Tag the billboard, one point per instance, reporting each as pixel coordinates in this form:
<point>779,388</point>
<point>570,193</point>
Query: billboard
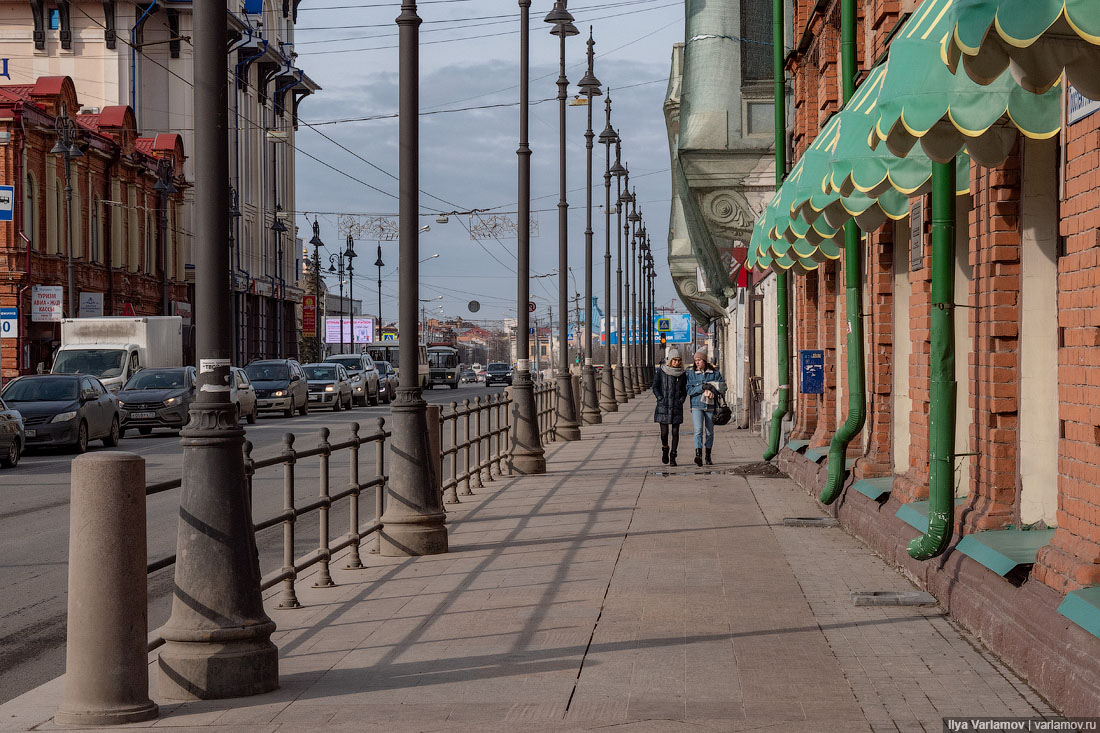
<point>359,332</point>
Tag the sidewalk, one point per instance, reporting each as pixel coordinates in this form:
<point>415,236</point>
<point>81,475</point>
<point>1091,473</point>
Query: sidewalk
<point>606,593</point>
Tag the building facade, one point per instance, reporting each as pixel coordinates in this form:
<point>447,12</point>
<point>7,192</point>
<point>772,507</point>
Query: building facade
<point>139,55</point>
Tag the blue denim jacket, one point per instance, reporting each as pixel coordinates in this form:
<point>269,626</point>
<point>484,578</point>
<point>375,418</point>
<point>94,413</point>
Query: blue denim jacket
<point>696,380</point>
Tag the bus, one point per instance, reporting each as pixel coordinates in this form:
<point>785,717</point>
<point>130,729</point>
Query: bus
<point>391,351</point>
<point>443,366</point>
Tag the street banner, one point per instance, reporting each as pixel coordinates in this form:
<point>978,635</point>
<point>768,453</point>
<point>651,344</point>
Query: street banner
<point>359,332</point>
<point>47,303</point>
<point>309,316</point>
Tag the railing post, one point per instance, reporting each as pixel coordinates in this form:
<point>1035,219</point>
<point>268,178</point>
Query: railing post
<point>435,439</point>
<point>477,438</point>
<point>380,489</point>
<point>452,487</point>
<point>508,428</point>
<point>354,561</point>
<point>324,579</point>
<point>288,599</point>
<point>467,450</point>
<point>501,451</point>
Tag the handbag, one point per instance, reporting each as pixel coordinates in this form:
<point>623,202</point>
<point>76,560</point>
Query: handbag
<point>722,412</point>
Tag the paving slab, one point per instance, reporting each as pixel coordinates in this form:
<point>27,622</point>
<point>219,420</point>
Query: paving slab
<point>603,594</point>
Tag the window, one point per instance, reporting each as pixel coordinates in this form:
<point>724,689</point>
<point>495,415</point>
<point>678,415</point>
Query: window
<point>756,47</point>
<point>77,219</point>
<point>759,118</point>
<point>133,230</point>
<point>55,19</point>
<point>150,244</point>
<point>95,253</point>
<point>30,212</point>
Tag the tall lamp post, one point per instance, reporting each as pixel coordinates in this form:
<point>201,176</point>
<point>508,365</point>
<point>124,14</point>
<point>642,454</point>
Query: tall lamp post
<point>590,87</point>
<point>652,310</point>
<point>316,242</point>
<point>567,427</point>
<point>643,308</point>
<point>349,255</point>
<point>336,266</point>
<point>632,295</point>
<point>217,639</point>
<point>626,200</point>
<point>619,171</point>
<point>608,400</point>
<point>165,188</point>
<point>413,522</point>
<point>67,135</point>
<point>278,228</point>
<point>527,455</point>
<point>379,264</point>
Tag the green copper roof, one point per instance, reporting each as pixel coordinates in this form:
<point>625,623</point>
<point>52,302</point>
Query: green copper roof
<point>922,100</point>
<point>1038,38</point>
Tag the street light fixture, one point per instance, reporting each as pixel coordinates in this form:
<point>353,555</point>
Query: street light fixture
<point>626,199</point>
<point>590,87</point>
<point>316,242</point>
<point>278,228</point>
<point>567,427</point>
<point>66,145</point>
<point>527,455</point>
<point>349,255</point>
<point>608,402</point>
<point>619,170</point>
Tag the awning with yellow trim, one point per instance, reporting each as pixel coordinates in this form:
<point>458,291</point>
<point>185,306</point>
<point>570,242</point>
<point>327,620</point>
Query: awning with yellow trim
<point>1035,39</point>
<point>921,100</point>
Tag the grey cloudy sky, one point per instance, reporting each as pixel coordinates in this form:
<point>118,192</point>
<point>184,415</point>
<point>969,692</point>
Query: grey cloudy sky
<point>468,158</point>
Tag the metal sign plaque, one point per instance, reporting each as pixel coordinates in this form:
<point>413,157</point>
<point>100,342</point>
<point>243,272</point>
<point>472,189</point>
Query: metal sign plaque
<point>916,234</point>
<point>812,362</point>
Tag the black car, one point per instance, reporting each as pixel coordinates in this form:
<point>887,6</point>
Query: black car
<point>64,410</point>
<point>280,385</point>
<point>387,381</point>
<point>157,398</point>
<point>11,436</point>
<point>498,372</point>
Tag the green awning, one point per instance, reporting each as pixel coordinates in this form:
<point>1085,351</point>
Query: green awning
<point>761,257</point>
<point>1036,39</point>
<point>921,100</point>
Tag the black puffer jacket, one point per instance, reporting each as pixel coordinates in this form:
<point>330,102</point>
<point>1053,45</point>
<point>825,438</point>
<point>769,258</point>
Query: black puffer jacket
<point>671,393</point>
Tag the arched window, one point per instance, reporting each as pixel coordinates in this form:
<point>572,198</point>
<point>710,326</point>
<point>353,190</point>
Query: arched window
<point>150,242</point>
<point>30,211</point>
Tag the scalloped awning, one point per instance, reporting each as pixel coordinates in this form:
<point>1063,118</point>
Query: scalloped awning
<point>1035,39</point>
<point>921,100</point>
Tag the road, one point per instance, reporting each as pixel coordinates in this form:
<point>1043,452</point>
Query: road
<point>34,527</point>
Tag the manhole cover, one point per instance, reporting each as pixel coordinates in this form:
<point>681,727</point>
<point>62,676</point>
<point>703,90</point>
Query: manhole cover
<point>810,522</point>
<point>760,468</point>
<point>892,598</point>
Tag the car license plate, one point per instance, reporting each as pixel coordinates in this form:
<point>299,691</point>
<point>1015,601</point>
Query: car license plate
<point>31,433</point>
<point>143,415</point>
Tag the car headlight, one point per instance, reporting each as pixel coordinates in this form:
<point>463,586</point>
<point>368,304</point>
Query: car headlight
<point>121,403</point>
<point>64,416</point>
<point>329,388</point>
<point>171,401</point>
<point>279,393</point>
<point>359,388</point>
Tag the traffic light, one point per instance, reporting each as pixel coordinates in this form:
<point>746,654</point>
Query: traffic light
<point>663,341</point>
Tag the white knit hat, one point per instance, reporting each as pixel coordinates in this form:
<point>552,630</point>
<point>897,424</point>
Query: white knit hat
<point>672,353</point>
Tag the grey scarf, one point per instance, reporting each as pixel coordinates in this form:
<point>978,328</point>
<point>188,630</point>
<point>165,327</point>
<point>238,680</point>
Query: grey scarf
<point>672,371</point>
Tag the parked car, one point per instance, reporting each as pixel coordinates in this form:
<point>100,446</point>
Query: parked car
<point>64,410</point>
<point>498,372</point>
<point>243,395</point>
<point>387,381</point>
<point>329,385</point>
<point>12,439</point>
<point>157,398</point>
<point>363,372</point>
<point>280,386</point>
<point>468,376</point>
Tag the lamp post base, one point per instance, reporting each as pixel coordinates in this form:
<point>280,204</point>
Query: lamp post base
<point>620,385</point>
<point>566,427</point>
<point>414,522</point>
<point>590,414</point>
<point>628,381</point>
<point>608,400</point>
<point>528,457</point>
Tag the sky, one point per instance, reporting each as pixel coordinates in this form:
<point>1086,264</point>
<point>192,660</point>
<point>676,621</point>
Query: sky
<point>469,58</point>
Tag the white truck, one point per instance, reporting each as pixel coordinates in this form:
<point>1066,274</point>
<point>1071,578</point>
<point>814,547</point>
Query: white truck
<point>113,348</point>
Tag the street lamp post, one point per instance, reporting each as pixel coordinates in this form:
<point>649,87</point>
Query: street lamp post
<point>590,87</point>
<point>217,639</point>
<point>608,400</point>
<point>277,228</point>
<point>67,134</point>
<point>632,220</point>
<point>625,200</point>
<point>567,427</point>
<point>413,522</point>
<point>317,244</point>
<point>636,356</point>
<point>619,171</point>
<point>379,264</point>
<point>349,255</point>
<point>642,290</point>
<point>336,266</point>
<point>165,188</point>
<point>527,454</point>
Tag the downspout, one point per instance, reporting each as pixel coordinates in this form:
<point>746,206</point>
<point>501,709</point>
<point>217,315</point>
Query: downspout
<point>853,294</point>
<point>941,433</point>
<point>133,56</point>
<point>19,215</point>
<point>782,329</point>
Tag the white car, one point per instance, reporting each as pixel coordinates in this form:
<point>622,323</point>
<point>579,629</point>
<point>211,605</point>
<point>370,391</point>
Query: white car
<point>363,375</point>
<point>243,396</point>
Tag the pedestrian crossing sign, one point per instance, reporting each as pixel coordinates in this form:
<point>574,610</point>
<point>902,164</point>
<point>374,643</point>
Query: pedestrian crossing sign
<point>664,325</point>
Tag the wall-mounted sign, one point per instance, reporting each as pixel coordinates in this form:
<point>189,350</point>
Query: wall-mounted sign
<point>916,234</point>
<point>1078,106</point>
<point>309,316</point>
<point>9,323</point>
<point>90,305</point>
<point>47,303</point>
<point>813,371</point>
<point>7,202</point>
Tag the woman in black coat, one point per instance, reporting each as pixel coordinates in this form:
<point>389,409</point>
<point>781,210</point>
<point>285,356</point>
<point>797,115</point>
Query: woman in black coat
<point>670,388</point>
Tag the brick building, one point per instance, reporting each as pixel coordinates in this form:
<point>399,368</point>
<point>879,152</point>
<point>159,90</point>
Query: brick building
<point>1002,320</point>
<point>125,232</point>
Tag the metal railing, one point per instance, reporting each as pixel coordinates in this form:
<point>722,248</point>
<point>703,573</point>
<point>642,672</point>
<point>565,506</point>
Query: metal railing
<point>288,573</point>
<point>476,438</point>
<point>545,392</point>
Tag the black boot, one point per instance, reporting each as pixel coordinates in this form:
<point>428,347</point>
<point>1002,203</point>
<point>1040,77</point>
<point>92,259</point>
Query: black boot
<point>672,458</point>
<point>707,458</point>
<point>664,454</point>
<point>698,456</point>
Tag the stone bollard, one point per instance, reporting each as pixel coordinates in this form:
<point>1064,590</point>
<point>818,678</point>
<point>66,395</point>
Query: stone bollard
<point>106,657</point>
<point>435,444</point>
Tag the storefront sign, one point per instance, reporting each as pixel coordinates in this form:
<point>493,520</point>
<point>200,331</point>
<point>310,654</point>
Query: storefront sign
<point>183,310</point>
<point>309,316</point>
<point>47,303</point>
<point>91,305</point>
<point>1078,106</point>
<point>7,202</point>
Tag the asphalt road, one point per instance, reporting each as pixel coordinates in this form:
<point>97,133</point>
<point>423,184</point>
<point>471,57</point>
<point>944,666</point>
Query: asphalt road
<point>34,527</point>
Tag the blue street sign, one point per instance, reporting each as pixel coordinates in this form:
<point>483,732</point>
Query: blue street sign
<point>7,202</point>
<point>813,371</point>
<point>9,322</point>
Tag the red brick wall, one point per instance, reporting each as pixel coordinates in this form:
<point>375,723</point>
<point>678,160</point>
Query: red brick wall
<point>878,327</point>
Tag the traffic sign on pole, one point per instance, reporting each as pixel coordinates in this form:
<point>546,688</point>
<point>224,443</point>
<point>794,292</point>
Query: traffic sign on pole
<point>530,306</point>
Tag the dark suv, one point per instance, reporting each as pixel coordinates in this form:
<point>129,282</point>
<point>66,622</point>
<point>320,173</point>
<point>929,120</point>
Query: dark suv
<point>498,372</point>
<point>280,386</point>
<point>157,398</point>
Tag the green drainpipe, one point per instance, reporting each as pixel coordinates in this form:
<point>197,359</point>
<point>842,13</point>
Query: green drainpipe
<point>853,293</point>
<point>782,329</point>
<point>941,494</point>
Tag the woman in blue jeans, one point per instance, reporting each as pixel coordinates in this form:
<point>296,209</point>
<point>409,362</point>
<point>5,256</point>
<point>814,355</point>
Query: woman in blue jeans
<point>702,404</point>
